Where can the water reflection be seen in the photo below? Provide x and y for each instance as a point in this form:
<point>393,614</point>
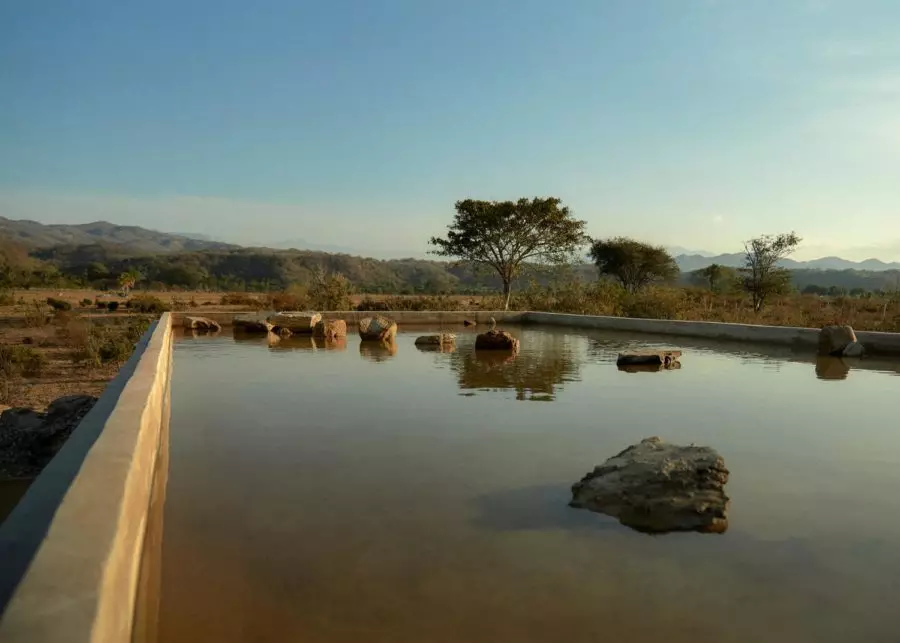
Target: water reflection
<point>295,343</point>
<point>436,348</point>
<point>377,351</point>
<point>831,368</point>
<point>535,373</point>
<point>649,368</point>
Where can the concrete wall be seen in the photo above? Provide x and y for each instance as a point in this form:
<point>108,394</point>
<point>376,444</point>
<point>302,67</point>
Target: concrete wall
<point>875,343</point>
<point>70,553</point>
<point>402,317</point>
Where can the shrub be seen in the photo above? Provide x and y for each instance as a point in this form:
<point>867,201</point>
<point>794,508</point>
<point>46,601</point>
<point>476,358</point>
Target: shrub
<point>58,304</point>
<point>112,306</point>
<point>35,315</point>
<point>148,304</point>
<point>241,299</point>
<point>294,298</point>
<point>15,360</point>
<point>115,348</point>
<point>7,297</point>
<point>102,305</point>
<point>86,303</point>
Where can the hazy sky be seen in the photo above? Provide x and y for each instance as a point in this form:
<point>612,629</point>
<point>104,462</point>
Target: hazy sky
<point>697,123</point>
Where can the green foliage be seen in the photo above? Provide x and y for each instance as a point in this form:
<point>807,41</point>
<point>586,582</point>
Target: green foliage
<point>58,304</point>
<point>145,304</point>
<point>418,303</point>
<point>241,299</point>
<point>763,278</point>
<point>504,235</point>
<point>632,263</point>
<point>717,278</point>
<point>330,292</point>
<point>20,360</point>
<point>87,303</point>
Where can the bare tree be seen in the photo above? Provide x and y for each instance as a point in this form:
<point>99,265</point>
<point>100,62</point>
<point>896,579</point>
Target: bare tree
<point>762,276</point>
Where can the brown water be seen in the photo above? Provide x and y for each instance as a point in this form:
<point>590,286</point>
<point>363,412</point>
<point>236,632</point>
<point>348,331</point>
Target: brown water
<point>355,495</point>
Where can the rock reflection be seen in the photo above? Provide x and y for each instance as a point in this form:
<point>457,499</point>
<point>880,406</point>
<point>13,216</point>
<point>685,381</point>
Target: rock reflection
<point>831,368</point>
<point>535,373</point>
<point>436,348</point>
<point>294,343</point>
<point>649,368</point>
<point>377,351</point>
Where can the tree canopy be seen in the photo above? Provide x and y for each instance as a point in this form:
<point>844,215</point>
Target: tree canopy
<point>504,235</point>
<point>632,263</point>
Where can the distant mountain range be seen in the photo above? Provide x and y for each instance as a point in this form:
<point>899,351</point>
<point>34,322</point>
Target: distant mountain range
<point>691,262</point>
<point>34,235</point>
<point>38,236</point>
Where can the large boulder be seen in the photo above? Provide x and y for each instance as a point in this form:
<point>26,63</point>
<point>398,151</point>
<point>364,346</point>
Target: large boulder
<point>245,325</point>
<point>330,329</point>
<point>839,340</point>
<point>29,440</point>
<point>496,340</point>
<point>203,324</point>
<point>657,487</point>
<point>297,323</point>
<point>377,329</point>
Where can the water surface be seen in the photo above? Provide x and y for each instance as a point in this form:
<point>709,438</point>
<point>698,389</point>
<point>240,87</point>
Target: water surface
<point>350,493</point>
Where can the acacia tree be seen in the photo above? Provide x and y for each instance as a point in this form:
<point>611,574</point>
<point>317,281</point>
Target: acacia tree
<point>762,276</point>
<point>504,235</point>
<point>632,263</point>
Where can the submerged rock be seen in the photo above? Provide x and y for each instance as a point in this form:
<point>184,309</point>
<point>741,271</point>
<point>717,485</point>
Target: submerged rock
<point>496,340</point>
<point>839,341</point>
<point>658,487</point>
<point>201,324</point>
<point>29,440</point>
<point>331,329</point>
<point>299,323</point>
<point>436,340</point>
<point>244,325</point>
<point>378,329</point>
<point>648,358</point>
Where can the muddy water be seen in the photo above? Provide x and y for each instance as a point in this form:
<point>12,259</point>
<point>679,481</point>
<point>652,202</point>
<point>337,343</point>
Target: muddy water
<point>356,494</point>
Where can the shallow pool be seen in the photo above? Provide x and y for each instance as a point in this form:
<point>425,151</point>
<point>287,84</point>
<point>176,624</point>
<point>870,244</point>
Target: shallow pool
<point>356,494</point>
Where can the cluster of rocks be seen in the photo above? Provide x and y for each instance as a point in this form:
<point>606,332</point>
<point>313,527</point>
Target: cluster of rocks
<point>29,439</point>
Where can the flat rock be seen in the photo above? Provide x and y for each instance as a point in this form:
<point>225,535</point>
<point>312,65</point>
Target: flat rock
<point>331,328</point>
<point>202,324</point>
<point>29,440</point>
<point>496,340</point>
<point>649,368</point>
<point>436,340</point>
<point>651,357</point>
<point>377,329</point>
<point>244,325</point>
<point>299,323</point>
<point>658,487</point>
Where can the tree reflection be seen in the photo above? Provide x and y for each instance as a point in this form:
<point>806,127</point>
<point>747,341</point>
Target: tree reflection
<point>535,373</point>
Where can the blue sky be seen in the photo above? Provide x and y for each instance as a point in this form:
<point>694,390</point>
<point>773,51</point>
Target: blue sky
<point>697,123</point>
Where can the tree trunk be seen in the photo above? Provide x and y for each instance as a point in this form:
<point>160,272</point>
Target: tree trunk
<point>506,293</point>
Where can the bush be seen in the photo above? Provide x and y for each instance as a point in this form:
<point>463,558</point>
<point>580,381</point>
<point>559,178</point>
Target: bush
<point>147,304</point>
<point>241,299</point>
<point>36,315</point>
<point>86,303</point>
<point>294,298</point>
<point>7,297</point>
<point>102,305</point>
<point>58,304</point>
<point>112,306</point>
<point>24,360</point>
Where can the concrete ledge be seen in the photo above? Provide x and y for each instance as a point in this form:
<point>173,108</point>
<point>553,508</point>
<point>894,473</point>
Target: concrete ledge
<point>402,317</point>
<point>71,550</point>
<point>875,343</point>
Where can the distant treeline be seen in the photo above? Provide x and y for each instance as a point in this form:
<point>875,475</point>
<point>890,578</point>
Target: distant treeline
<point>258,269</point>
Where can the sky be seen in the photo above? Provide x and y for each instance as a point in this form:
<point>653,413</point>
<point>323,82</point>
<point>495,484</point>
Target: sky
<point>358,124</point>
